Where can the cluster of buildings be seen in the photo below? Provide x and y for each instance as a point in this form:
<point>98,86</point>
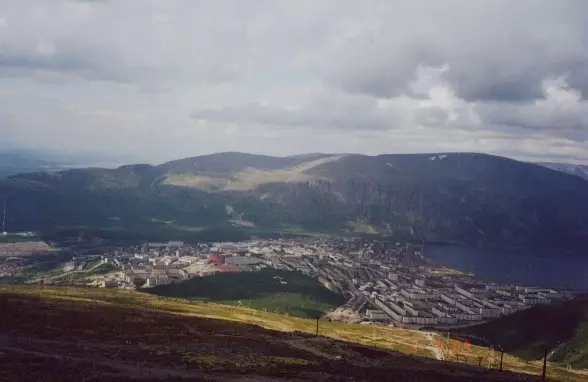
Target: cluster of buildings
<point>394,283</point>
<point>155,264</point>
<point>384,282</point>
<point>16,256</point>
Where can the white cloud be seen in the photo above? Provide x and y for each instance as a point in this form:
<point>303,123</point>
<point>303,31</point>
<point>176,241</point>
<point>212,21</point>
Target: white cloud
<point>160,17</point>
<point>181,77</point>
<point>45,48</point>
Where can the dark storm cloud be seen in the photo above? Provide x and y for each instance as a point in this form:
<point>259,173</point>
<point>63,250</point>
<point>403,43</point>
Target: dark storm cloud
<point>515,88</point>
<point>367,67</point>
<point>493,51</point>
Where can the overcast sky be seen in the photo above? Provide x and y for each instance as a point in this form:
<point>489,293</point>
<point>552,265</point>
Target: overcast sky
<point>158,80</point>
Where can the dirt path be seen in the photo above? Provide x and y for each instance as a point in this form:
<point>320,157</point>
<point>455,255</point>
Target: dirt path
<point>304,344</point>
<point>436,351</point>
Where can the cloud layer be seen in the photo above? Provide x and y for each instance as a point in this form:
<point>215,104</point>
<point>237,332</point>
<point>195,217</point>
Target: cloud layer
<point>169,79</point>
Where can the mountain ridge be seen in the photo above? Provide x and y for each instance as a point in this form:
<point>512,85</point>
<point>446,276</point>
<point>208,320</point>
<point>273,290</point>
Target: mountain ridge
<point>452,197</point>
<point>568,168</point>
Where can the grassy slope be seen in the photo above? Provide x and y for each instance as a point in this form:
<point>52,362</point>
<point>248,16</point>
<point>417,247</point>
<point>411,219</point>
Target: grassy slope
<point>406,341</point>
<point>527,333</point>
<point>301,296</point>
<point>95,336</point>
<point>574,352</point>
<point>17,239</point>
<point>247,179</point>
<point>362,227</point>
<point>200,182</point>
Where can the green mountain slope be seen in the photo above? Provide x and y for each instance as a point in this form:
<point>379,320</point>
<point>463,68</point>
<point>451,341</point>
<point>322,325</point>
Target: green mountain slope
<point>469,198</point>
<point>561,328</point>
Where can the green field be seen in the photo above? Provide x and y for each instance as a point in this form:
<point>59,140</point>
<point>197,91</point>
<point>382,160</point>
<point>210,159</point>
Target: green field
<point>103,269</point>
<point>300,296</point>
<point>18,238</point>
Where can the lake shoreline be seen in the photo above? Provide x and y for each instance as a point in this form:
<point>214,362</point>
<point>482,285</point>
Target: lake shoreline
<point>535,267</point>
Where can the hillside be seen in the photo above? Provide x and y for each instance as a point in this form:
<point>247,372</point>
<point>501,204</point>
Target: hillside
<point>273,290</point>
<point>97,334</point>
<point>453,197</point>
<point>561,328</point>
<point>573,169</point>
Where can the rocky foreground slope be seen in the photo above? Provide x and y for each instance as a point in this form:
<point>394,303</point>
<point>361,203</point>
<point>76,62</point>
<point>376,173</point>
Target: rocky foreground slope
<point>75,334</point>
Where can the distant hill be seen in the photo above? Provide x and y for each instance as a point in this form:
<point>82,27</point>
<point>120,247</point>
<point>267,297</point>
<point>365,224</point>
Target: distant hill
<point>447,197</point>
<point>14,162</point>
<point>568,168</point>
<point>25,161</point>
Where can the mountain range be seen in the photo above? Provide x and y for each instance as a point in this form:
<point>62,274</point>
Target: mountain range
<point>446,197</point>
<point>16,161</point>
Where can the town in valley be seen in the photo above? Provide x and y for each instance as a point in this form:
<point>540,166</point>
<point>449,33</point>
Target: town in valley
<point>383,282</point>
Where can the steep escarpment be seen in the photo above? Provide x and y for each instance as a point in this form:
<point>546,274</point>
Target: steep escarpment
<point>508,203</point>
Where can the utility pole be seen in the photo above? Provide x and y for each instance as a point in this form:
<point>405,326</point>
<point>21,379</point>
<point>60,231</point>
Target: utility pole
<point>4,217</point>
<point>501,357</point>
<point>544,375</point>
<point>317,326</point>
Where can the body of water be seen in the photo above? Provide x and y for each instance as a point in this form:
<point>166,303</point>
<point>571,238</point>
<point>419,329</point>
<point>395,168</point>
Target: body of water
<point>534,267</point>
